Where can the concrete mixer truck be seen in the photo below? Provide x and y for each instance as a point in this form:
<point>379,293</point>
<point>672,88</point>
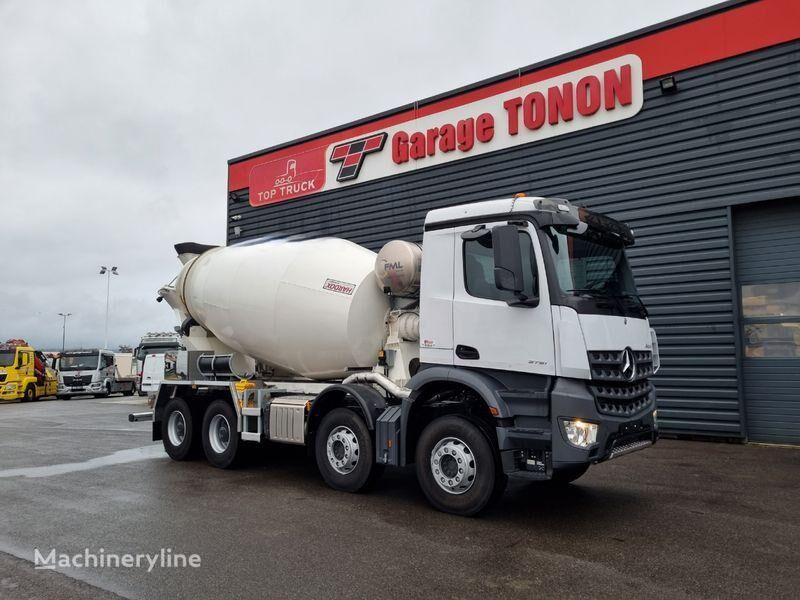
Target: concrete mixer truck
<point>515,345</point>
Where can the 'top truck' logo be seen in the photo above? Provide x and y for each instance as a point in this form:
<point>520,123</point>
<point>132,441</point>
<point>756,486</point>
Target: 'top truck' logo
<point>351,154</point>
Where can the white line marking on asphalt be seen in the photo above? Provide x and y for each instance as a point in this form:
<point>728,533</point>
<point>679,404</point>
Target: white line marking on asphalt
<point>117,458</point>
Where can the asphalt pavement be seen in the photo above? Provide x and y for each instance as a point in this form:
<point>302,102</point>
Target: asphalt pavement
<point>682,519</point>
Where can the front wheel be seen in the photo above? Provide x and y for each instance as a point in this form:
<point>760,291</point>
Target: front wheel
<point>30,394</point>
<point>457,468</point>
<point>345,452</point>
<point>220,437</point>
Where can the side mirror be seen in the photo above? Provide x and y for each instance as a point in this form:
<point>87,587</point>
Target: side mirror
<point>507,258</point>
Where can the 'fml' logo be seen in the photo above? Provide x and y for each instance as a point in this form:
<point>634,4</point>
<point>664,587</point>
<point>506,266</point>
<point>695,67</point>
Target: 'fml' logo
<point>351,154</point>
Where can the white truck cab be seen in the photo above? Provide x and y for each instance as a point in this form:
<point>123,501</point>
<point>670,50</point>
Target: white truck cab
<point>539,293</point>
<point>82,372</point>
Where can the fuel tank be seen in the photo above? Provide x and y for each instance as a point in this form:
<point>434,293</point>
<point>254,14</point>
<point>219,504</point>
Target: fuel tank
<point>312,307</point>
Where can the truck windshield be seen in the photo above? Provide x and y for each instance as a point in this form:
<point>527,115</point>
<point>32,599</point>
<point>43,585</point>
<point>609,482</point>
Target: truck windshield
<point>79,362</point>
<point>591,265</point>
<point>7,358</point>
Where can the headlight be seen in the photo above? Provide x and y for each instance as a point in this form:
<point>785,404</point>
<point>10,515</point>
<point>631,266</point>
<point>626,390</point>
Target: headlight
<point>656,356</point>
<point>580,434</point>
<point>10,387</point>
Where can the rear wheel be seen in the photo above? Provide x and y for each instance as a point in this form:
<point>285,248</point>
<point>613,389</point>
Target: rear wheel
<point>345,452</point>
<point>178,430</point>
<point>129,391</point>
<point>457,468</point>
<point>220,438</point>
<point>567,475</point>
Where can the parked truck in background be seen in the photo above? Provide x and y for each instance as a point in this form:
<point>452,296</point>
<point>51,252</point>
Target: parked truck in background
<point>154,343</point>
<point>93,371</point>
<point>24,374</point>
<point>515,346</point>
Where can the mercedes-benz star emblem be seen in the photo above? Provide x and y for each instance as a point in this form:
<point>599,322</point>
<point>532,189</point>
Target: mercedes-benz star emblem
<point>628,366</point>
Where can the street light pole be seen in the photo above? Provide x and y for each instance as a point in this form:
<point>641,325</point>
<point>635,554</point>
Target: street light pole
<point>64,331</point>
<point>108,273</point>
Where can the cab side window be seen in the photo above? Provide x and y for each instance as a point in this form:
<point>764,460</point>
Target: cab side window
<point>108,360</point>
<point>479,268</point>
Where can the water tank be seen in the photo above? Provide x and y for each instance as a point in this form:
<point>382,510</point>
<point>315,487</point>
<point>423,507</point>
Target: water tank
<point>307,307</point>
<point>398,267</point>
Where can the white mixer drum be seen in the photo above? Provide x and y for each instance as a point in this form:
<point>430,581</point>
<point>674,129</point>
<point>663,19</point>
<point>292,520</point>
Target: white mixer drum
<point>308,307</point>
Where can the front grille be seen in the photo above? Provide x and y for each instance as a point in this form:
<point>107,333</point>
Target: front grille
<point>75,381</point>
<point>614,393</point>
<point>3,377</point>
<point>606,365</point>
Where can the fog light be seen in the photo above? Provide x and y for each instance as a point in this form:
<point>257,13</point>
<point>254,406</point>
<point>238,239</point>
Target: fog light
<point>580,434</point>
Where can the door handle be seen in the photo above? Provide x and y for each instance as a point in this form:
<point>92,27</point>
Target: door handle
<point>467,352</point>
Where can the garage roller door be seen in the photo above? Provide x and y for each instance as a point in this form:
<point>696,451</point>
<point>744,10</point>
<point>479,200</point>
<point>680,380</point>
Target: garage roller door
<point>767,249</point>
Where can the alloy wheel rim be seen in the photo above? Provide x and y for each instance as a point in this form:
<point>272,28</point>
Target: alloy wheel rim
<point>343,450</point>
<point>219,433</point>
<point>453,465</point>
<point>176,428</point>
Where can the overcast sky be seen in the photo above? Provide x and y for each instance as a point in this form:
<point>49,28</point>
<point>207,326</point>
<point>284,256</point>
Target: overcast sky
<point>117,119</point>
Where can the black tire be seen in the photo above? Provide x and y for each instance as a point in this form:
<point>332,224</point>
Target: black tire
<point>470,495</point>
<point>351,466</point>
<point>130,391</point>
<point>567,475</point>
<point>30,393</point>
<point>221,446</point>
<point>183,442</point>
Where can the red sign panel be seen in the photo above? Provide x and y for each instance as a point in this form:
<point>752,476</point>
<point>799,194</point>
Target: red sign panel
<point>289,177</point>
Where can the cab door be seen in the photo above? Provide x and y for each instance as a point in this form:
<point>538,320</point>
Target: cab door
<point>487,331</point>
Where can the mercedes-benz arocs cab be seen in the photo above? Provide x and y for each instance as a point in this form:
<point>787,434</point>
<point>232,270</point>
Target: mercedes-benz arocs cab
<point>513,344</point>
<point>95,372</point>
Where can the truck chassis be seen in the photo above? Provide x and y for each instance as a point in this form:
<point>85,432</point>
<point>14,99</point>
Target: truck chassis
<point>464,448</point>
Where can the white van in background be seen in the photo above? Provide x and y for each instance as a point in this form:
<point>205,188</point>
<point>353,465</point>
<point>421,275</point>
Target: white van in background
<point>154,372</point>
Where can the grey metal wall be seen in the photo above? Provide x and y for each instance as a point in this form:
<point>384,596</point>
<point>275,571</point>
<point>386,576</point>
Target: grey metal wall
<point>731,134</point>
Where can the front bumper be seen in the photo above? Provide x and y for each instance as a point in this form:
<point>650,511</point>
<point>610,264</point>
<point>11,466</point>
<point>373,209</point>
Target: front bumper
<point>81,390</point>
<point>9,392</point>
<point>533,447</point>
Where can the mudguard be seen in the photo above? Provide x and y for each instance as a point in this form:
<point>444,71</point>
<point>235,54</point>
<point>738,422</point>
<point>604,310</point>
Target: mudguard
<point>371,402</point>
<point>486,386</point>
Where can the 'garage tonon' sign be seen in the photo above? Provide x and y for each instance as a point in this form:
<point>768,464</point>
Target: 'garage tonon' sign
<point>600,94</point>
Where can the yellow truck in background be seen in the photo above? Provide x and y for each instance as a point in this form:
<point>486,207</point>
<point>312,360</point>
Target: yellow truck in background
<point>24,374</point>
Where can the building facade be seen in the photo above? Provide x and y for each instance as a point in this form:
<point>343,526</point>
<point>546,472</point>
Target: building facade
<point>689,131</point>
